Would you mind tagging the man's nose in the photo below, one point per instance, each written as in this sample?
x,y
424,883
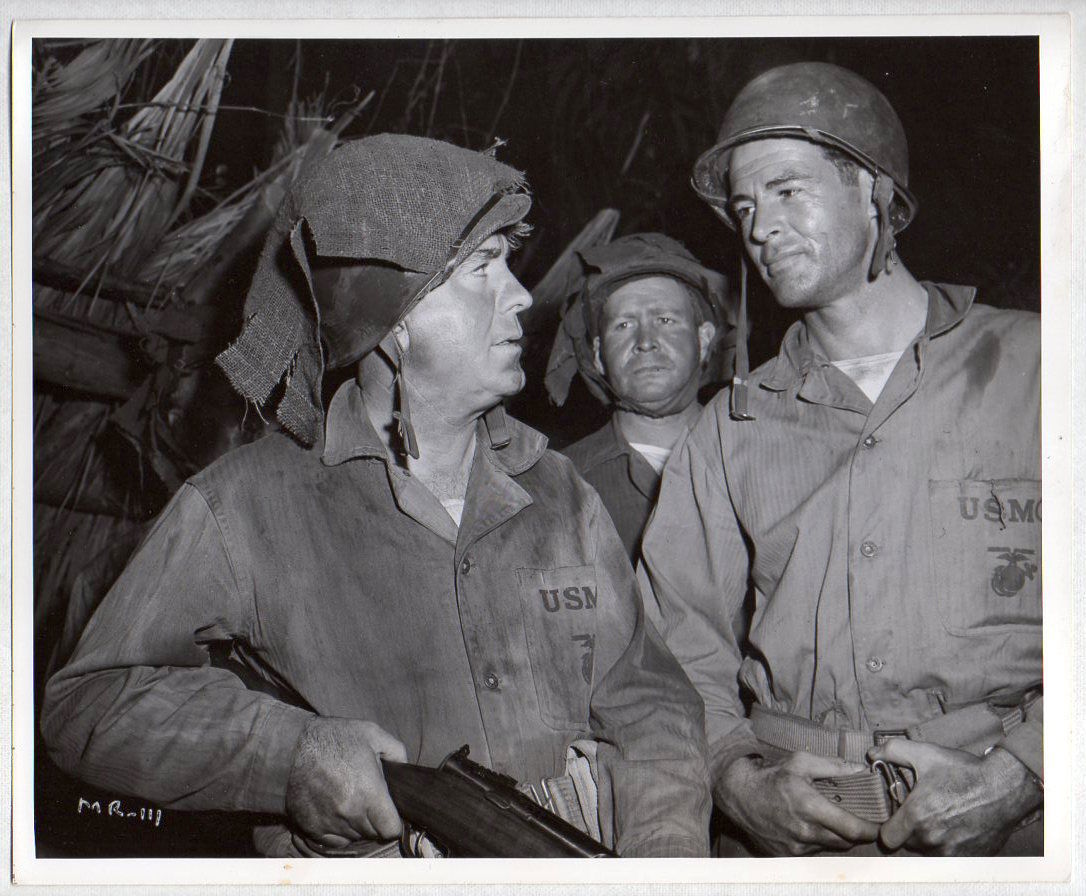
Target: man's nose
x,y
646,338
514,297
764,223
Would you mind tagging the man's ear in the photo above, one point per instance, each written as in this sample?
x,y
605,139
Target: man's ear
x,y
706,334
867,190
597,362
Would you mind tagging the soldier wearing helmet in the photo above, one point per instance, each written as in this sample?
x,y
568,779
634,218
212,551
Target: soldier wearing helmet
x,y
403,573
648,327
875,485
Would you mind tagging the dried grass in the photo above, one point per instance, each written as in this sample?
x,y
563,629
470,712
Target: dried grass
x,y
107,207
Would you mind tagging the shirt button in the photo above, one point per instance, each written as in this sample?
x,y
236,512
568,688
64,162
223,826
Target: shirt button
x,y
869,549
491,681
869,442
465,565
874,664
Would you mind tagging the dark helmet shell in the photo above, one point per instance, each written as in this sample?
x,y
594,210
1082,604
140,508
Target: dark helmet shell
x,y
814,101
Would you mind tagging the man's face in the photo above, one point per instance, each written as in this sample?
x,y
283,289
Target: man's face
x,y
650,345
808,232
463,347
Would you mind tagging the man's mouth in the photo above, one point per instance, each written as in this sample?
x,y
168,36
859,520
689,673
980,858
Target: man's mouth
x,y
778,260
651,368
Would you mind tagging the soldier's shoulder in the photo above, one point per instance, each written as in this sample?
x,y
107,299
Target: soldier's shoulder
x,y
1013,321
273,456
593,449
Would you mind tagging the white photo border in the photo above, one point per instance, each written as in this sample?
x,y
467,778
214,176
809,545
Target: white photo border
x,y
1054,33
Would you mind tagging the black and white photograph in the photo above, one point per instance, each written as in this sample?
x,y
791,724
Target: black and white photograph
x,y
448,441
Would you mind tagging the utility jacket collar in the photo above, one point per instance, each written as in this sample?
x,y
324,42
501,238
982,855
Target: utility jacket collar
x,y
947,305
349,434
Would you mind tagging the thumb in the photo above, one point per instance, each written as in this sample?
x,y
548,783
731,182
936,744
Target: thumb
x,y
383,744
919,756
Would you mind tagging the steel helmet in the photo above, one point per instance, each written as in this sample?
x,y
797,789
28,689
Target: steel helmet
x,y
604,269
822,103
830,106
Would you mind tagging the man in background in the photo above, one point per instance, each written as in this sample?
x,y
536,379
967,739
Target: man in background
x,y
647,329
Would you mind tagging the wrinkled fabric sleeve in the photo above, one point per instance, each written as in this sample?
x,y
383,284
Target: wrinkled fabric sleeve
x,y
648,719
693,578
140,709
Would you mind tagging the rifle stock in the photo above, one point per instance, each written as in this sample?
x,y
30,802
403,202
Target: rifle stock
x,y
473,812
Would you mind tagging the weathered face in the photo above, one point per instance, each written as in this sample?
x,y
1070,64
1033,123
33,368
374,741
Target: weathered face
x,y
808,232
650,345
463,338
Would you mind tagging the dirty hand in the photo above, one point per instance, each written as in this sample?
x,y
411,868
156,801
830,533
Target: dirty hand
x,y
962,805
336,792
775,802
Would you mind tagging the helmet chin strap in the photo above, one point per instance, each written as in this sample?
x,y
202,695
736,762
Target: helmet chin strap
x,y
390,347
738,407
882,193
497,427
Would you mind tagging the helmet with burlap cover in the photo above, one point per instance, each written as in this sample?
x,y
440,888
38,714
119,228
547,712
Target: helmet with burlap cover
x,y
356,243
825,104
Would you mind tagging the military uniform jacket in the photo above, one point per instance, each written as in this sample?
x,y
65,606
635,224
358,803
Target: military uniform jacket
x,y
893,549
331,577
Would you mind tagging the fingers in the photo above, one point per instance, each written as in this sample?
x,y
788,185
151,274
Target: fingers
x,y
919,756
897,831
381,815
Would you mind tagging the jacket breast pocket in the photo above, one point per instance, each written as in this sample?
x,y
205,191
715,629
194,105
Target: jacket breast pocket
x,y
559,609
986,547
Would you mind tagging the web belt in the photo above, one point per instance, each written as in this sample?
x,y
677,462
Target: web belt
x,y
875,794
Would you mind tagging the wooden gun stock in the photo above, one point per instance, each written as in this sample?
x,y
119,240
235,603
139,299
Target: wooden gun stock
x,y
473,812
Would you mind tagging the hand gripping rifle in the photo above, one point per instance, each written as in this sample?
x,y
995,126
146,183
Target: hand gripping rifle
x,y
473,812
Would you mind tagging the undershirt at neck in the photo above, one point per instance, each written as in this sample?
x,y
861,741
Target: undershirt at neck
x,y
455,508
654,454
871,372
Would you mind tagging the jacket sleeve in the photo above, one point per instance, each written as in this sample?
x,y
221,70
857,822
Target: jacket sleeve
x,y
654,783
693,575
140,709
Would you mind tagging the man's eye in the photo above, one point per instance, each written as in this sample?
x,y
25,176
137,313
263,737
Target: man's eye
x,y
788,192
664,319
742,212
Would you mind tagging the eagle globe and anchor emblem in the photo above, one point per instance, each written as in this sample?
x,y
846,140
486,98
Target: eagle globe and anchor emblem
x,y
1009,579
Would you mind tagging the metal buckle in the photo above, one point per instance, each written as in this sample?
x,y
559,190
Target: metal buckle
x,y
884,734
896,782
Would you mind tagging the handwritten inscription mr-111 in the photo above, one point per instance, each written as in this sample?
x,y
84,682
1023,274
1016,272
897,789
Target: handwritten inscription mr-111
x,y
115,809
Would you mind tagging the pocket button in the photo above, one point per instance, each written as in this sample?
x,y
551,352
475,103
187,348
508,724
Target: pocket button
x,y
491,681
869,549
874,664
